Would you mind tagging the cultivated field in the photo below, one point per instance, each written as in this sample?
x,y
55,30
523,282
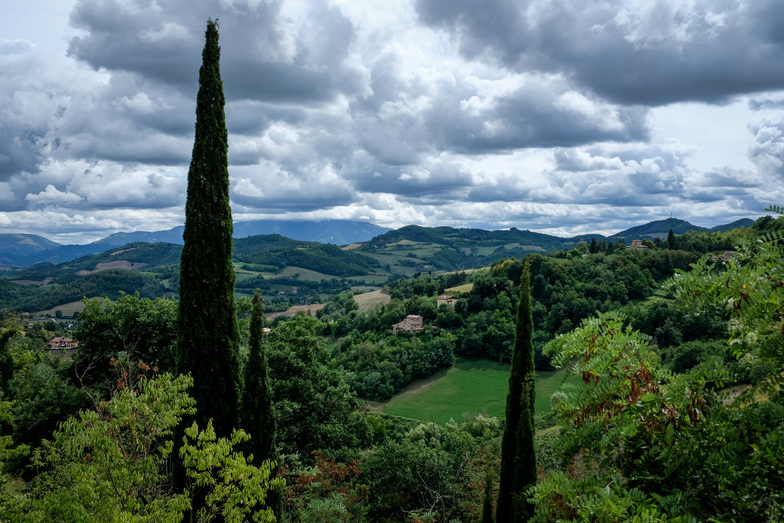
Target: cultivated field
x,y
468,387
292,311
66,308
371,300
460,288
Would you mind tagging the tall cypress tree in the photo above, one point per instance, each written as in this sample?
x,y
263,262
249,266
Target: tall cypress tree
x,y
208,333
487,499
518,458
258,411
257,407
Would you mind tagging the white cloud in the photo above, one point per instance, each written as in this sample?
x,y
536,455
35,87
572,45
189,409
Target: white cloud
x,y
52,196
396,112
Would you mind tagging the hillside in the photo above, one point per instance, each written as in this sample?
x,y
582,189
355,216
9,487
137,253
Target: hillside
x,y
658,229
287,271
745,222
277,252
415,249
283,268
29,249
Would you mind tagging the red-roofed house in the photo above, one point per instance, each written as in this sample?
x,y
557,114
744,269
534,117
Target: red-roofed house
x,y
60,343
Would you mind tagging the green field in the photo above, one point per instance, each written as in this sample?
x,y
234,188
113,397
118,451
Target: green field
x,y
66,308
371,300
468,387
460,288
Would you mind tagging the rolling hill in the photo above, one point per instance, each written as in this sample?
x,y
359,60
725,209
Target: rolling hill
x,y
29,249
286,270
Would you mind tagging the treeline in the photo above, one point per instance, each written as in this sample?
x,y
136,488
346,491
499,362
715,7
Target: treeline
x,y
268,285
460,238
377,367
110,283
567,287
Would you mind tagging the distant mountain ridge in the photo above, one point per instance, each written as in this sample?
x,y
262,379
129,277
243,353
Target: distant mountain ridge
x,y
283,268
29,249
337,232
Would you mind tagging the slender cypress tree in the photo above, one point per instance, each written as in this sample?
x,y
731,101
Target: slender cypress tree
x,y
671,240
257,406
208,333
518,459
487,498
258,411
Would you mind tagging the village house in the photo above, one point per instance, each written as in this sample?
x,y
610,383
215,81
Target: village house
x,y
411,323
446,299
60,343
637,244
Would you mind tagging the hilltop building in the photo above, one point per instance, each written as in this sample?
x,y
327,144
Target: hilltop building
x,y
446,299
411,323
60,343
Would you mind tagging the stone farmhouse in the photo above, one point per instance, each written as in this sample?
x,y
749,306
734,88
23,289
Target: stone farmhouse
x,y
446,299
411,323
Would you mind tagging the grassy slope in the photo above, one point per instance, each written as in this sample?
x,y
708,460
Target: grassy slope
x,y
469,386
67,309
371,300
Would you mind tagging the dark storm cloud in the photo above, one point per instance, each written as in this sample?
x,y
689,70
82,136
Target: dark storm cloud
x,y
272,70
397,127
646,54
162,41
20,151
505,192
145,106
765,103
731,181
526,113
414,182
138,38
300,197
246,118
530,118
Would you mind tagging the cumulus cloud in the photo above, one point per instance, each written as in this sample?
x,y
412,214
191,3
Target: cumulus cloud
x,y
534,114
767,150
52,196
631,52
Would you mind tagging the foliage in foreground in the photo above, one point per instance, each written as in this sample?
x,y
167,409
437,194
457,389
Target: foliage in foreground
x,y
639,443
113,463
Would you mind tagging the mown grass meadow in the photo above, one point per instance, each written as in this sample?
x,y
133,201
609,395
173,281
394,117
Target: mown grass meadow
x,y
468,387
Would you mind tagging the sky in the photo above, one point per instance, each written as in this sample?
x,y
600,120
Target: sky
x,y
557,116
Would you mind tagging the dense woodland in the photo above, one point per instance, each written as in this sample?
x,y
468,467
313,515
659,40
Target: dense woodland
x,y
678,411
